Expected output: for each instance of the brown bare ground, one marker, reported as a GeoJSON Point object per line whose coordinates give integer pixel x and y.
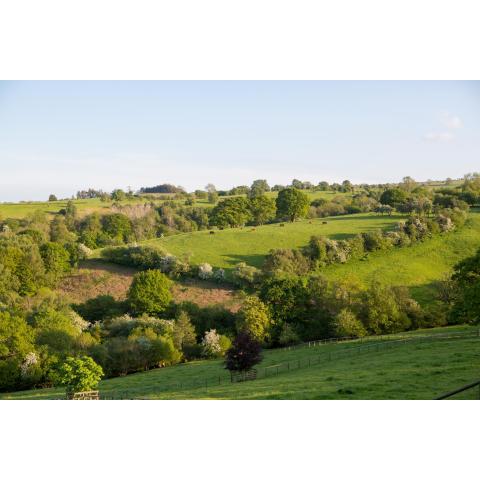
{"type": "Point", "coordinates": [95, 278]}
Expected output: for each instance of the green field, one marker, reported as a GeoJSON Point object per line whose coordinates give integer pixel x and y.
{"type": "Point", "coordinates": [372, 369]}
{"type": "Point", "coordinates": [418, 266]}
{"type": "Point", "coordinates": [228, 247]}
{"type": "Point", "coordinates": [22, 209]}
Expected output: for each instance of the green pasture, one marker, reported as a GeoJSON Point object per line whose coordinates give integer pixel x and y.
{"type": "Point", "coordinates": [226, 248]}
{"type": "Point", "coordinates": [348, 370]}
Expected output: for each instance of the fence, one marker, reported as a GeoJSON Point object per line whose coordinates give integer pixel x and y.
{"type": "Point", "coordinates": [470, 391]}
{"type": "Point", "coordinates": [360, 347]}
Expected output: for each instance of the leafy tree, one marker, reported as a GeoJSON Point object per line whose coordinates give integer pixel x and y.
{"type": "Point", "coordinates": [184, 335]}
{"type": "Point", "coordinates": [231, 212]}
{"type": "Point", "coordinates": [244, 354]}
{"type": "Point", "coordinates": [213, 197]}
{"type": "Point", "coordinates": [149, 292]}
{"type": "Point", "coordinates": [259, 187]}
{"type": "Point", "coordinates": [286, 298]}
{"type": "Point", "coordinates": [254, 317]}
{"type": "Point", "coordinates": [466, 303]}
{"type": "Point", "coordinates": [52, 198]}
{"type": "Point", "coordinates": [71, 213]}
{"type": "Point", "coordinates": [292, 203]}
{"type": "Point", "coordinates": [59, 231]}
{"type": "Point", "coordinates": [80, 374]}
{"type": "Point", "coordinates": [214, 345]}
{"type": "Point", "coordinates": [117, 226]}
{"type": "Point", "coordinates": [346, 324]}
{"type": "Point", "coordinates": [118, 195]}
{"type": "Point", "coordinates": [393, 197]}
{"type": "Point", "coordinates": [56, 259]}
{"type": "Point", "coordinates": [263, 209]}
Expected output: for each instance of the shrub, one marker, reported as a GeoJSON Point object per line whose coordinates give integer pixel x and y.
{"type": "Point", "coordinates": [79, 374]}
{"type": "Point", "coordinates": [245, 275]}
{"type": "Point", "coordinates": [149, 292]}
{"type": "Point", "coordinates": [286, 261]}
{"type": "Point", "coordinates": [346, 324]}
{"type": "Point", "coordinates": [205, 271]}
{"type": "Point", "coordinates": [211, 347]}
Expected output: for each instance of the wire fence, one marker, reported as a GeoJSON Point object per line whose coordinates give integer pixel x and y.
{"type": "Point", "coordinates": [358, 347]}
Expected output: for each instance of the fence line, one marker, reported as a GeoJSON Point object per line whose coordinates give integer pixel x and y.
{"type": "Point", "coordinates": [273, 370]}
{"type": "Point", "coordinates": [462, 389]}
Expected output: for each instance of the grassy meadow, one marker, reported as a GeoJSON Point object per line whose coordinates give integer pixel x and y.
{"type": "Point", "coordinates": [87, 206]}
{"type": "Point", "coordinates": [418, 266]}
{"type": "Point", "coordinates": [348, 370]}
{"type": "Point", "coordinates": [226, 248]}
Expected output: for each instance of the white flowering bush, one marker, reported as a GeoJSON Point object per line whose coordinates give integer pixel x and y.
{"type": "Point", "coordinates": [205, 271]}
{"type": "Point", "coordinates": [27, 364]}
{"type": "Point", "coordinates": [84, 251]}
{"type": "Point", "coordinates": [211, 344]}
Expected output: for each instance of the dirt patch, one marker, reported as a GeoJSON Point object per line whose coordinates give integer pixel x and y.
{"type": "Point", "coordinates": [95, 278]}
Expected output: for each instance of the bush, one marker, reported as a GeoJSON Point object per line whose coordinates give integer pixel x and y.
{"type": "Point", "coordinates": [205, 271]}
{"type": "Point", "coordinates": [149, 292]}
{"type": "Point", "coordinates": [346, 324]}
{"type": "Point", "coordinates": [286, 261]}
{"type": "Point", "coordinates": [245, 275]}
{"type": "Point", "coordinates": [213, 346]}
{"type": "Point", "coordinates": [79, 374]}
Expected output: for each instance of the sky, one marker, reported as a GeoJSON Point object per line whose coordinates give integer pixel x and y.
{"type": "Point", "coordinates": [60, 137]}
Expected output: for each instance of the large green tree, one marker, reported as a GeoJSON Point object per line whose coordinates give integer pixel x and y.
{"type": "Point", "coordinates": [263, 209]}
{"type": "Point", "coordinates": [231, 212]}
{"type": "Point", "coordinates": [149, 292]}
{"type": "Point", "coordinates": [292, 204]}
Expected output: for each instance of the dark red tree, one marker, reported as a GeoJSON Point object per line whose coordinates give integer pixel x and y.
{"type": "Point", "coordinates": [244, 353]}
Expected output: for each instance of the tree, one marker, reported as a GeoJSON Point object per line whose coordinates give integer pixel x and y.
{"type": "Point", "coordinates": [231, 212]}
{"type": "Point", "coordinates": [118, 195]}
{"type": "Point", "coordinates": [184, 335]}
{"type": "Point", "coordinates": [466, 278]}
{"type": "Point", "coordinates": [254, 318]}
{"type": "Point", "coordinates": [52, 198]}
{"type": "Point", "coordinates": [213, 197]}
{"type": "Point", "coordinates": [117, 226]}
{"type": "Point", "coordinates": [210, 188]}
{"type": "Point", "coordinates": [292, 203]}
{"type": "Point", "coordinates": [408, 184]}
{"type": "Point", "coordinates": [149, 292]}
{"type": "Point", "coordinates": [214, 345]}
{"type": "Point", "coordinates": [244, 354]}
{"type": "Point", "coordinates": [259, 187]}
{"type": "Point", "coordinates": [346, 324]}
{"type": "Point", "coordinates": [263, 209]}
{"type": "Point", "coordinates": [393, 197]}
{"type": "Point", "coordinates": [80, 374]}
{"type": "Point", "coordinates": [59, 231]}
{"type": "Point", "coordinates": [71, 214]}
{"type": "Point", "coordinates": [55, 258]}
{"type": "Point", "coordinates": [347, 186]}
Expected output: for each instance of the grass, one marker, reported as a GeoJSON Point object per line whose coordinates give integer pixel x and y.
{"type": "Point", "coordinates": [228, 247]}
{"type": "Point", "coordinates": [412, 370]}
{"type": "Point", "coordinates": [23, 209]}
{"type": "Point", "coordinates": [418, 267]}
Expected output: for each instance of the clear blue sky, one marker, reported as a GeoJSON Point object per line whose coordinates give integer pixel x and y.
{"type": "Point", "coordinates": [58, 137]}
